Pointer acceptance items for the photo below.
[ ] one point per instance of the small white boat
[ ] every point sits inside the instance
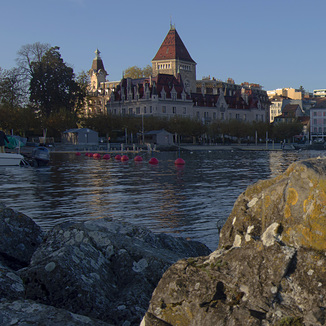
(10, 159)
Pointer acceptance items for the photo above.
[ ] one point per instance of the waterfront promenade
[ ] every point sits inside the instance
(60, 148)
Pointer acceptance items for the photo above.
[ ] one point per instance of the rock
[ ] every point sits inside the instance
(102, 269)
(21, 313)
(270, 267)
(19, 238)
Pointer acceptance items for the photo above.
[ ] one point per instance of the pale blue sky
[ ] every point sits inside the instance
(278, 43)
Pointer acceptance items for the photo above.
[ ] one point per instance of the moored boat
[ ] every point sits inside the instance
(10, 159)
(41, 156)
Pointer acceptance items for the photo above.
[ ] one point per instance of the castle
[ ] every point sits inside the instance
(173, 89)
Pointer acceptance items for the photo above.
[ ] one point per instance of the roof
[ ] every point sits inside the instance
(156, 132)
(173, 48)
(155, 86)
(97, 62)
(78, 130)
(320, 103)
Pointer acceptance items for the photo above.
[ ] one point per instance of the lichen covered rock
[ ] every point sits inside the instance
(270, 267)
(102, 268)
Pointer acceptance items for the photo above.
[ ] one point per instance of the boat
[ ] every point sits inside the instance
(41, 156)
(11, 159)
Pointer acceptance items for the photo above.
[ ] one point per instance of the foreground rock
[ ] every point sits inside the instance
(270, 267)
(22, 313)
(98, 268)
(19, 237)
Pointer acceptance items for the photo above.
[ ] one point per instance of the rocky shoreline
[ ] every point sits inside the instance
(96, 272)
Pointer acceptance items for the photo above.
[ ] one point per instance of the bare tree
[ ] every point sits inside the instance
(30, 53)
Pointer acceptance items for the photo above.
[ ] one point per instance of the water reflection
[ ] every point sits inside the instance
(187, 201)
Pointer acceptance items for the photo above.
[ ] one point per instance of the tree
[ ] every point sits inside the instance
(53, 86)
(29, 54)
(135, 72)
(12, 86)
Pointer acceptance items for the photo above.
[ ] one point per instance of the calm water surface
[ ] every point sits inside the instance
(188, 201)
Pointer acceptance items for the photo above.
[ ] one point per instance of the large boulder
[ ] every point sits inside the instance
(19, 237)
(102, 269)
(22, 313)
(270, 267)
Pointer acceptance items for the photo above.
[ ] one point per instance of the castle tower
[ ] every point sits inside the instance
(173, 58)
(97, 73)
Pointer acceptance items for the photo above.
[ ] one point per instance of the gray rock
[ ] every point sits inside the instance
(23, 313)
(270, 267)
(19, 238)
(11, 285)
(102, 269)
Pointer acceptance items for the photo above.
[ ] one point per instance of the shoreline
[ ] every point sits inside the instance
(62, 149)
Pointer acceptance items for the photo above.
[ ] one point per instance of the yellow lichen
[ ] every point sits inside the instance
(292, 197)
(267, 201)
(287, 211)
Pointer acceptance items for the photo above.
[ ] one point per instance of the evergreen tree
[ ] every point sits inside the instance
(53, 86)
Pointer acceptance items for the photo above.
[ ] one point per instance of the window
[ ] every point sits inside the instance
(237, 116)
(174, 110)
(197, 114)
(150, 109)
(137, 110)
(163, 109)
(184, 110)
(214, 115)
(144, 109)
(130, 110)
(123, 111)
(222, 116)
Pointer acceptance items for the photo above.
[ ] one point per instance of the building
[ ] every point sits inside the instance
(319, 93)
(80, 136)
(98, 93)
(290, 113)
(174, 90)
(159, 137)
(173, 58)
(275, 107)
(318, 120)
(292, 93)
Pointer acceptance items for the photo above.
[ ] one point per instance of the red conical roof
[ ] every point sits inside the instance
(173, 48)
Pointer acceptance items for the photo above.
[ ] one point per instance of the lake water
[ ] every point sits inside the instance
(189, 201)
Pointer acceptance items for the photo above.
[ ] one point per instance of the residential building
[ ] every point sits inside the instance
(292, 93)
(319, 93)
(318, 120)
(275, 107)
(290, 113)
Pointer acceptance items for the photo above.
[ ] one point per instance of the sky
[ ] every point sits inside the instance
(276, 44)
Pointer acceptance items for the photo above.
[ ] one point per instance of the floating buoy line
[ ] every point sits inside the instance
(125, 158)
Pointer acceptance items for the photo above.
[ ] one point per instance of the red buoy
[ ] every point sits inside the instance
(78, 154)
(97, 155)
(118, 157)
(153, 160)
(86, 154)
(179, 161)
(124, 158)
(90, 154)
(106, 156)
(138, 158)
